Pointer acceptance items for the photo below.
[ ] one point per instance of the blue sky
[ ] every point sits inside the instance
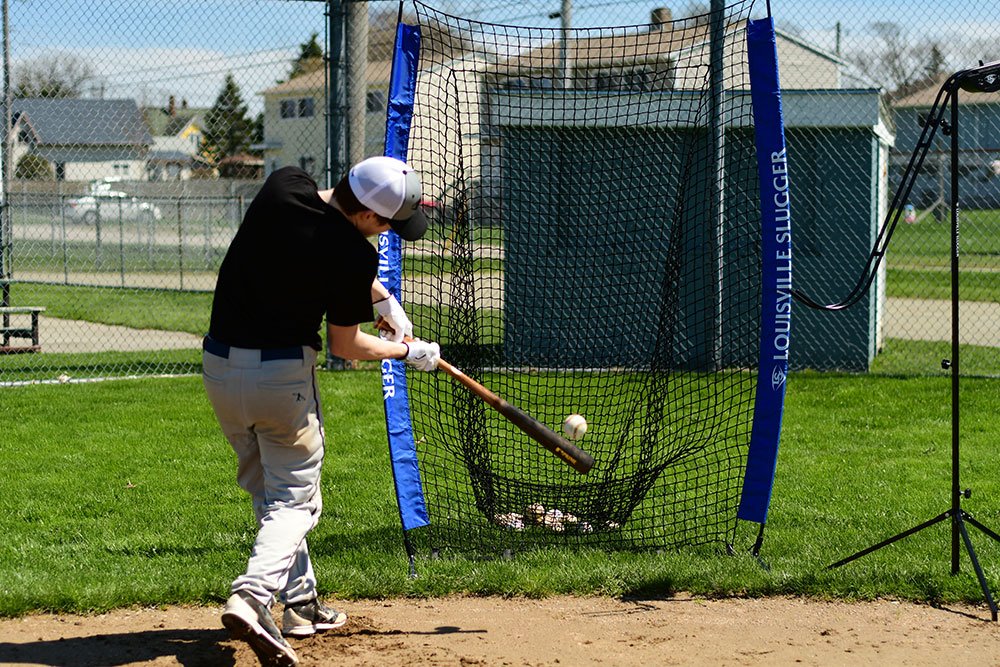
(151, 49)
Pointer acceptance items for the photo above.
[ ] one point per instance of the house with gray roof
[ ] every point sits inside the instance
(979, 148)
(83, 139)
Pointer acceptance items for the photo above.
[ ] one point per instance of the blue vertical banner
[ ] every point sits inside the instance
(776, 271)
(402, 449)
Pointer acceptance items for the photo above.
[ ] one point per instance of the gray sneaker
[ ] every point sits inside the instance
(308, 618)
(250, 621)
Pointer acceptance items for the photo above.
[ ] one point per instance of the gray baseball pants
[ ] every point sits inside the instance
(269, 410)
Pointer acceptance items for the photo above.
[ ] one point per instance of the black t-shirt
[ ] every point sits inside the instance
(293, 259)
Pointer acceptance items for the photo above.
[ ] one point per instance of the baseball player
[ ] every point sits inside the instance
(300, 253)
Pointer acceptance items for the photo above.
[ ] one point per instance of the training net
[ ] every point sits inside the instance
(594, 248)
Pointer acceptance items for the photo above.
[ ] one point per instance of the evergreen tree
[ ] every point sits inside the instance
(228, 129)
(936, 63)
(310, 58)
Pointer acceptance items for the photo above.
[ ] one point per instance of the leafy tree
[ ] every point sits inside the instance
(60, 75)
(228, 128)
(310, 58)
(34, 168)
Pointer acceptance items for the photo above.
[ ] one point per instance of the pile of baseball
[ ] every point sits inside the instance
(552, 519)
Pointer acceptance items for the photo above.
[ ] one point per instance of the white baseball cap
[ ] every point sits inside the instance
(391, 188)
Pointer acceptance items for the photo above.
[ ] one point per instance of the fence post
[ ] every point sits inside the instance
(180, 244)
(121, 243)
(5, 208)
(65, 250)
(52, 223)
(208, 239)
(150, 239)
(97, 231)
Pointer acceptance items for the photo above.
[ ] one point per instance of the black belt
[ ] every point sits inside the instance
(267, 354)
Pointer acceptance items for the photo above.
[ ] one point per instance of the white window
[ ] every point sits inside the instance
(120, 168)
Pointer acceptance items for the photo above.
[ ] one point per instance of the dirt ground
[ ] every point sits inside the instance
(464, 632)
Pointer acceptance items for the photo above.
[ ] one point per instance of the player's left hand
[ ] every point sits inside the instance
(394, 315)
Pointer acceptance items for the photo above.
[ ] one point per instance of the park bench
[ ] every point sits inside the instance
(8, 331)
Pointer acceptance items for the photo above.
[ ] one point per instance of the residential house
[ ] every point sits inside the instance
(295, 120)
(242, 166)
(637, 63)
(979, 147)
(83, 139)
(546, 116)
(177, 133)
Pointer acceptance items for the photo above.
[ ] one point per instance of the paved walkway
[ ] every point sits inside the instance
(909, 319)
(926, 319)
(58, 335)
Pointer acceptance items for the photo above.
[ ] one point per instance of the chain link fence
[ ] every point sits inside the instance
(139, 133)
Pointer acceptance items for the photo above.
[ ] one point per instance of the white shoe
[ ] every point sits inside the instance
(250, 621)
(308, 618)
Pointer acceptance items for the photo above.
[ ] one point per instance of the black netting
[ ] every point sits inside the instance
(594, 249)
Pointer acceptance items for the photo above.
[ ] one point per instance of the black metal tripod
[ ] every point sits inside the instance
(985, 78)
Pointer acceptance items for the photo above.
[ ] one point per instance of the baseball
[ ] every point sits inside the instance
(575, 426)
(534, 513)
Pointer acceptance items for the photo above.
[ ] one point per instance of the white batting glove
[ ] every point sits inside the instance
(395, 317)
(422, 355)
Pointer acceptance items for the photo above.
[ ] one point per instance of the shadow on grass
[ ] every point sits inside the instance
(191, 648)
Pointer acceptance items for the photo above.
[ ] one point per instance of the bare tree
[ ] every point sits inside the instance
(897, 62)
(57, 75)
(696, 12)
(980, 48)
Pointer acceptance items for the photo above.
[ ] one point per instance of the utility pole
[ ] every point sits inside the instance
(5, 165)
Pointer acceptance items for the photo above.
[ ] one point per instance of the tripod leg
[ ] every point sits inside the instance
(894, 538)
(982, 527)
(977, 568)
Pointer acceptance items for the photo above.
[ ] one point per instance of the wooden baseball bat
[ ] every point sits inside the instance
(578, 459)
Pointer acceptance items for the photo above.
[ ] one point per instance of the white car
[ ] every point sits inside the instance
(109, 205)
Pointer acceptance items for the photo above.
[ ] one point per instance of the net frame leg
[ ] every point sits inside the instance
(967, 80)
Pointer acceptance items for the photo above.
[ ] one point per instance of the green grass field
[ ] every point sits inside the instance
(928, 243)
(111, 257)
(919, 258)
(189, 312)
(122, 493)
(166, 310)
